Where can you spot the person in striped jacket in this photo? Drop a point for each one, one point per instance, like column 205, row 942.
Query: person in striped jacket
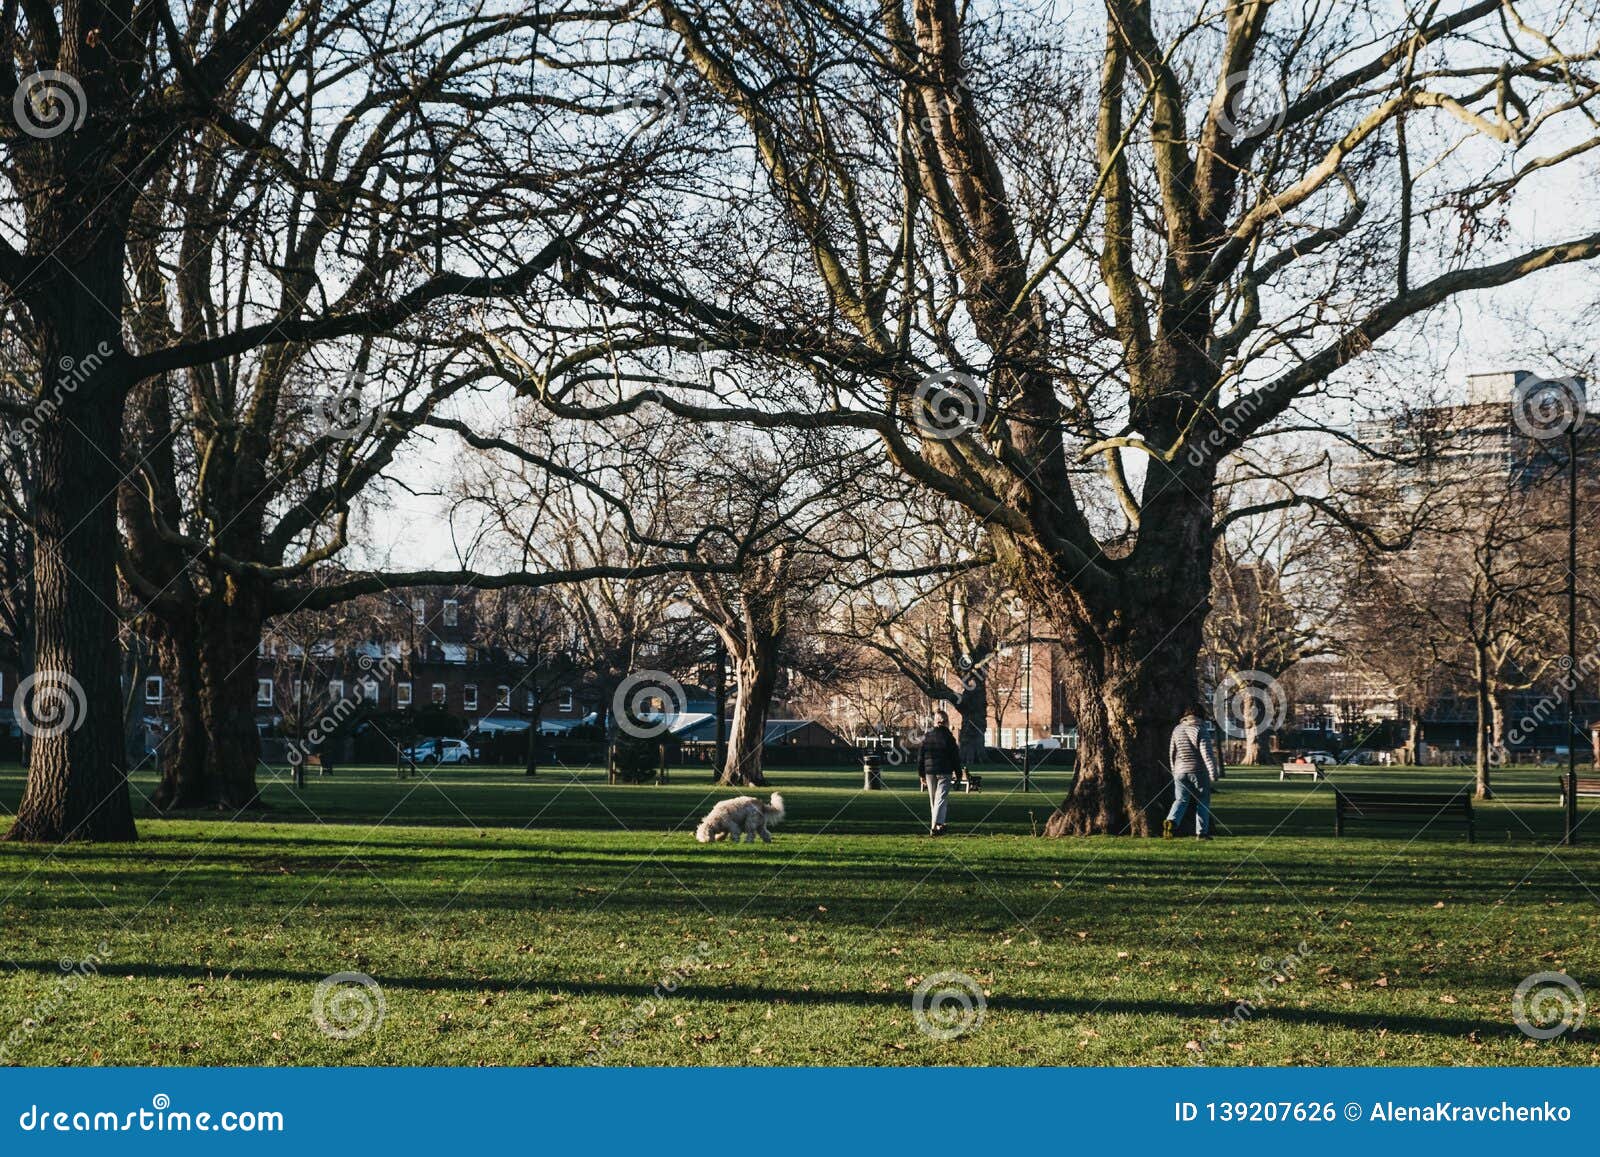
column 1193, row 756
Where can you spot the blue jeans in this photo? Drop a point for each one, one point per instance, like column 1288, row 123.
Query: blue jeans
column 1190, row 788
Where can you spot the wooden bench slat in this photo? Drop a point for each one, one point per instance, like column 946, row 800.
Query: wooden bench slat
column 1396, row 806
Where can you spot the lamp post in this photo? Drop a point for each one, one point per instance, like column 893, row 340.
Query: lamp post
column 1570, row 836
column 1027, row 710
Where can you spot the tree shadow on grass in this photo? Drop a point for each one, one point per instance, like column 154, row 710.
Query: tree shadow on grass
column 691, row 991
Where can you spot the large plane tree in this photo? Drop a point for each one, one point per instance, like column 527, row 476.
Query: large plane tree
column 1062, row 266
column 403, row 156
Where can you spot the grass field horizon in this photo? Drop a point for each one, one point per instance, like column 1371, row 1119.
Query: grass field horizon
column 560, row 920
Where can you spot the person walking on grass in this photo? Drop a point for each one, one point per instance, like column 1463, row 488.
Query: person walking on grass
column 1193, row 755
column 938, row 761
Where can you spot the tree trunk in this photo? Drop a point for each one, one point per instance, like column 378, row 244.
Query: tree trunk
column 77, row 780
column 532, row 755
column 229, row 642
column 1125, row 712
column 756, row 676
column 1498, row 753
column 1254, row 717
column 181, row 754
column 973, row 707
column 1413, row 751
column 1130, row 670
column 1482, row 699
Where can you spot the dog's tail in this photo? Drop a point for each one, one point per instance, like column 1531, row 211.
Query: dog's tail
column 702, row 834
column 774, row 809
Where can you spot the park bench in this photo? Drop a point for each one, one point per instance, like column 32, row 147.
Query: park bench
column 1402, row 807
column 1587, row 788
column 1314, row 770
column 968, row 782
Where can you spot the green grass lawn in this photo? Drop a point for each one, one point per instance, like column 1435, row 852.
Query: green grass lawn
column 562, row 921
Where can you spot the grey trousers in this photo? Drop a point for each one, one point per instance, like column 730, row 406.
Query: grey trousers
column 939, row 797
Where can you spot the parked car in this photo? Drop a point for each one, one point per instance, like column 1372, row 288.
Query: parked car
column 1319, row 757
column 1360, row 756
column 437, row 751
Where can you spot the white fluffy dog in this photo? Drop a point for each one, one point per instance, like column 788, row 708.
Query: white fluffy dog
column 743, row 816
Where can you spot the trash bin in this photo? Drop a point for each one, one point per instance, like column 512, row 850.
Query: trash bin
column 872, row 772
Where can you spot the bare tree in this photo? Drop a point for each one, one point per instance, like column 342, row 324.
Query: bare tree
column 401, row 153
column 1268, row 597
column 1041, row 323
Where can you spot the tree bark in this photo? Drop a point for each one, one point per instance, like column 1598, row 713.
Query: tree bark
column 181, row 754
column 1125, row 712
column 1482, row 700
column 229, row 642
column 1252, row 730
column 77, row 776
column 1131, row 661
column 756, row 676
column 973, row 707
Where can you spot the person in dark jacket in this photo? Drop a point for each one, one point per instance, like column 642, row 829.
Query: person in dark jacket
column 938, row 761
column 1193, row 754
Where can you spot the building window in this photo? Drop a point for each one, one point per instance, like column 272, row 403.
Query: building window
column 294, row 690
column 263, row 692
column 402, row 695
column 469, row 697
column 1025, row 699
column 152, row 688
column 566, row 699
column 419, row 609
column 530, row 700
column 452, row 612
column 335, row 688
column 503, row 698
column 369, row 690
column 438, row 694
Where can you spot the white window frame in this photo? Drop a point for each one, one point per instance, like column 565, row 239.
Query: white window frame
column 566, row 699
column 451, row 614
column 264, row 693
column 335, row 689
column 402, row 695
column 440, row 695
column 502, row 700
column 469, row 697
column 369, row 690
column 160, row 686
